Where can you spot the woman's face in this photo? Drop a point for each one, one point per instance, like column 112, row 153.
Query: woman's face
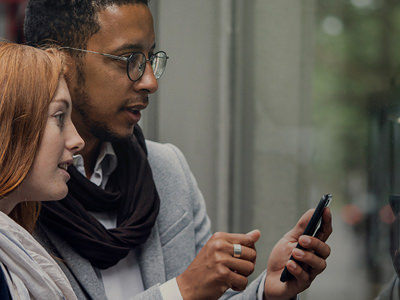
column 47, row 179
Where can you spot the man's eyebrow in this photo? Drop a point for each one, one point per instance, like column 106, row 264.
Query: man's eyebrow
column 63, row 101
column 132, row 47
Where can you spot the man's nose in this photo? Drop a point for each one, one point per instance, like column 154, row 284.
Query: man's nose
column 148, row 81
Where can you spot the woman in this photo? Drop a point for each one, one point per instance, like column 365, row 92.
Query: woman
column 37, row 141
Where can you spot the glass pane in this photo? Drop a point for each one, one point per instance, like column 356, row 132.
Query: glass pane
column 356, row 105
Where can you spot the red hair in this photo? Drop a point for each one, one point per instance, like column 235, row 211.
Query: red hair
column 28, row 81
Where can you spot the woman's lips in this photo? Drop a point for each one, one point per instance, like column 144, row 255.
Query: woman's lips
column 64, row 167
column 66, row 174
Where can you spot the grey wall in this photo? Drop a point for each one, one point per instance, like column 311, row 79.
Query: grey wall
column 188, row 102
column 273, row 97
column 235, row 99
column 2, row 21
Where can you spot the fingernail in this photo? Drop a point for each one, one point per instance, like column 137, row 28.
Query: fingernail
column 298, row 253
column 305, row 240
column 253, row 231
column 292, row 265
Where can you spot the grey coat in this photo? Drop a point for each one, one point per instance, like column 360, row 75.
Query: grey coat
column 182, row 228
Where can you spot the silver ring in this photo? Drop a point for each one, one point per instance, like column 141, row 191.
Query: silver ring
column 237, row 250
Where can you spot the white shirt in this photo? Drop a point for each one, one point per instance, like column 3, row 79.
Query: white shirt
column 123, row 280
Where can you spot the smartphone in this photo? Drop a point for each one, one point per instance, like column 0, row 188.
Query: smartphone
column 311, row 229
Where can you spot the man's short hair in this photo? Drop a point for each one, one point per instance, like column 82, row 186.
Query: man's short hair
column 68, row 23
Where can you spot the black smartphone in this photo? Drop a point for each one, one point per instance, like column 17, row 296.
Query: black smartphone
column 311, row 229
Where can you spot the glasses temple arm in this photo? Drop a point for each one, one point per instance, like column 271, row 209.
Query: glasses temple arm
column 94, row 52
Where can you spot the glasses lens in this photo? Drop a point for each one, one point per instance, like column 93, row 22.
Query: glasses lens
column 136, row 66
column 158, row 64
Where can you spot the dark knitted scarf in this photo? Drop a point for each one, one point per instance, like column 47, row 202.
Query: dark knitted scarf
column 130, row 192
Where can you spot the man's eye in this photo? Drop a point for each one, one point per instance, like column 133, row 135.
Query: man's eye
column 125, row 55
column 141, row 67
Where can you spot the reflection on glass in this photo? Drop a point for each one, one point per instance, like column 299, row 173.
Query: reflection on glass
column 395, row 233
column 356, row 98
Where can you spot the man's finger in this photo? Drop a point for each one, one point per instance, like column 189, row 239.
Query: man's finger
column 238, row 282
column 297, row 271
column 223, row 250
column 313, row 244
column 248, row 253
column 239, row 238
column 316, row 263
column 301, row 225
column 240, row 266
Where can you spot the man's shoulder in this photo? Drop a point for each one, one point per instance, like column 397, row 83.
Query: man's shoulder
column 170, row 170
column 157, row 149
column 161, row 150
column 174, row 184
column 165, row 157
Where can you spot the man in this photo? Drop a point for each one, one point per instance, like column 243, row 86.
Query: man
column 134, row 221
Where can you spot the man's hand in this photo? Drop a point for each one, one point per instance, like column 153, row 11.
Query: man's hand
column 214, row 269
column 313, row 261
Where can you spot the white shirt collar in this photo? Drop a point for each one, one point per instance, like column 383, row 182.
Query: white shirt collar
column 106, row 163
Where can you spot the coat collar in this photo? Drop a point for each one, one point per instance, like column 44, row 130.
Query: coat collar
column 151, row 260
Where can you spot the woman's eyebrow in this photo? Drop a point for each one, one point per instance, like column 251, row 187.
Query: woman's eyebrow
column 63, row 101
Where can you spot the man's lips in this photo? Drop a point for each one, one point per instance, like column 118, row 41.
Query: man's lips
column 134, row 111
column 136, row 107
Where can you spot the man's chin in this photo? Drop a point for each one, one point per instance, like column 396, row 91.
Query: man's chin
column 124, row 134
column 119, row 136
column 112, row 135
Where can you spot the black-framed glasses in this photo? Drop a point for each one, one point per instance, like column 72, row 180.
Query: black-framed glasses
column 136, row 62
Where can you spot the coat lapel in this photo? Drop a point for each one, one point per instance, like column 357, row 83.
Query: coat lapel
column 151, row 260
column 80, row 267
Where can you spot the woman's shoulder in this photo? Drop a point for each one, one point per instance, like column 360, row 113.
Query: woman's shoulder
column 12, row 231
column 17, row 242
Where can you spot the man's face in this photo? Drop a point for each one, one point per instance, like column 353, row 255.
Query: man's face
column 107, row 104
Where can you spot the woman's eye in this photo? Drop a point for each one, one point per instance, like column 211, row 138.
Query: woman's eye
column 60, row 117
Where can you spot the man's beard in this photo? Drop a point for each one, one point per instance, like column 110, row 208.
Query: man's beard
column 98, row 129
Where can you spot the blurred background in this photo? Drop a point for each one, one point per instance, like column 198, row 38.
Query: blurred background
column 276, row 102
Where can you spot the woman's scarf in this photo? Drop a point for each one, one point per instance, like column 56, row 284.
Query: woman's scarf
column 30, row 271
